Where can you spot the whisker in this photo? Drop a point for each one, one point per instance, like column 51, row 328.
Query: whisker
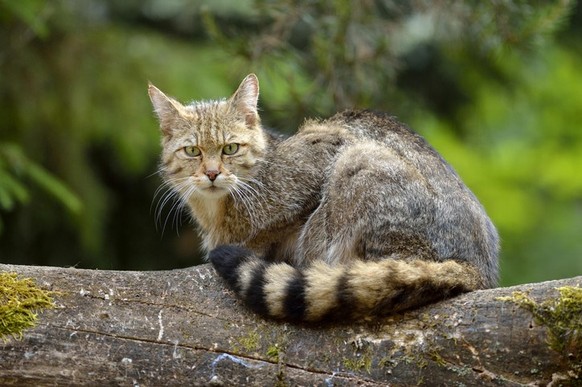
column 250, row 198
column 158, row 172
column 177, row 191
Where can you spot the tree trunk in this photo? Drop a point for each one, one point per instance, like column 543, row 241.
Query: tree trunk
column 182, row 327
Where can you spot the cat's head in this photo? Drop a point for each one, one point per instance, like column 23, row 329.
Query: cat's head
column 210, row 148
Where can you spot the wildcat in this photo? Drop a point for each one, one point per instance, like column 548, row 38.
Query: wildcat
column 353, row 216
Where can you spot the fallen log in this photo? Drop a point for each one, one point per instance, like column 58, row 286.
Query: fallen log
column 183, row 327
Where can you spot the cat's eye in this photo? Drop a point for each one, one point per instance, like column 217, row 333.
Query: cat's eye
column 192, row 151
column 230, row 149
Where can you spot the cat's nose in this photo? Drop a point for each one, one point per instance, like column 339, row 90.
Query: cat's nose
column 212, row 173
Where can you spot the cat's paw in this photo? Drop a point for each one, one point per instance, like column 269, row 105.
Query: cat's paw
column 226, row 259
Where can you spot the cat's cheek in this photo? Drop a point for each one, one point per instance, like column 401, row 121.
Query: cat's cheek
column 238, row 170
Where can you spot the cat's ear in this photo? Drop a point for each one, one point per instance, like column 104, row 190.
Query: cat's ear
column 166, row 108
column 246, row 98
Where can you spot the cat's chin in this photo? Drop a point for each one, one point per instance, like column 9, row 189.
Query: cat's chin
column 212, row 192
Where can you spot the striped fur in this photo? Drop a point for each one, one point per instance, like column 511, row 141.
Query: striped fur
column 352, row 216
column 321, row 292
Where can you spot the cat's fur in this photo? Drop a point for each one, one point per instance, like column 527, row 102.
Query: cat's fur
column 352, row 216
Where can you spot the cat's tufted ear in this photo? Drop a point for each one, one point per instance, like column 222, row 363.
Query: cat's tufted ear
column 246, row 98
column 166, row 108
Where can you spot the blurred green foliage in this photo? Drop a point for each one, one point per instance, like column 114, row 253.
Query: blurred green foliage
column 15, row 168
column 494, row 86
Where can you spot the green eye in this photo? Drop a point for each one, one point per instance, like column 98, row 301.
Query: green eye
column 192, row 151
column 230, row 149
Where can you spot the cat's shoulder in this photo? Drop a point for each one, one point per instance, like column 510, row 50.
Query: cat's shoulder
column 370, row 119
column 318, row 131
column 355, row 118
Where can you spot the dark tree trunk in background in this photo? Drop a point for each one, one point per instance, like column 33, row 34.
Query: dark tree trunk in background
column 182, row 327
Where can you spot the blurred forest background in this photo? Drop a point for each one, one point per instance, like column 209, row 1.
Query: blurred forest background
column 495, row 86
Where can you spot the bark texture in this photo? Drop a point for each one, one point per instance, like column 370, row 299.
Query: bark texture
column 183, row 327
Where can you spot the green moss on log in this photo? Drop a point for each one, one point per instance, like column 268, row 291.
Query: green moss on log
column 20, row 300
column 562, row 316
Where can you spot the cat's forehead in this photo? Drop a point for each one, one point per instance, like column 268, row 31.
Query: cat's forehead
column 212, row 122
column 200, row 110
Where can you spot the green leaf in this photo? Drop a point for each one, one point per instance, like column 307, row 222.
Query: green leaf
column 15, row 167
column 53, row 186
column 11, row 191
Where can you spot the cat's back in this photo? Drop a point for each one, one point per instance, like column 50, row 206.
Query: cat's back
column 382, row 128
column 373, row 133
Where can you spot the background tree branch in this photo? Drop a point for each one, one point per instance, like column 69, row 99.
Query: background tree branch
column 184, row 327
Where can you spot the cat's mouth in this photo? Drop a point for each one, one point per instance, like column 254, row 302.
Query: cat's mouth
column 215, row 190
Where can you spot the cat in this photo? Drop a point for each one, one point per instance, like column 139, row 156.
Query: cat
column 355, row 216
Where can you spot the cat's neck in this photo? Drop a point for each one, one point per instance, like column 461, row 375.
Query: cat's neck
column 208, row 212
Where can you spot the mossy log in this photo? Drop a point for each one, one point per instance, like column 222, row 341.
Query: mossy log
column 183, row 327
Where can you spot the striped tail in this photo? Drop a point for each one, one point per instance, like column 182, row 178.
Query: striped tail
column 322, row 292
